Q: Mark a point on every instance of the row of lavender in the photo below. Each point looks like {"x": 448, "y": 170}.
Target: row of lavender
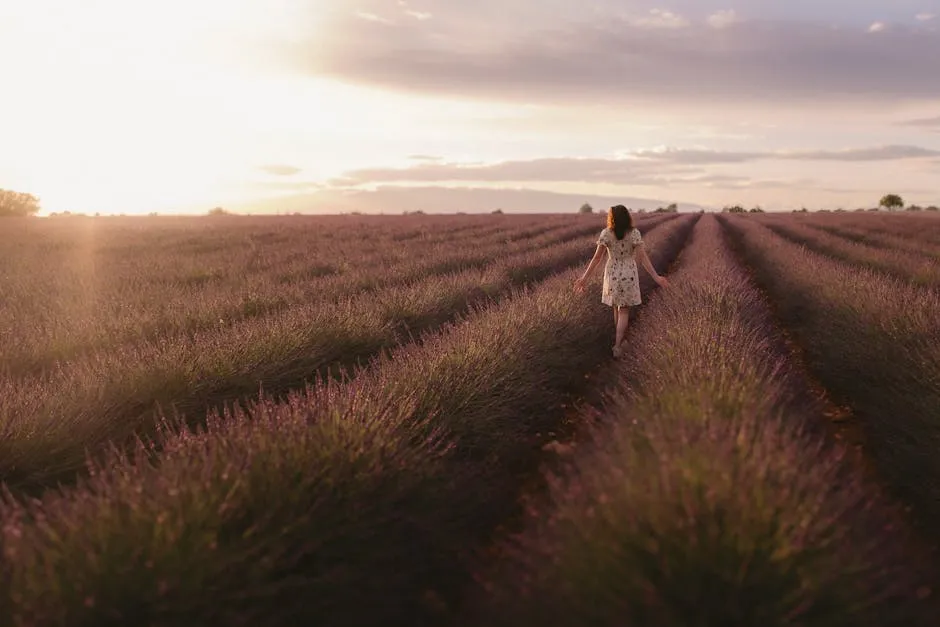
{"x": 49, "y": 422}
{"x": 105, "y": 287}
{"x": 918, "y": 228}
{"x": 352, "y": 503}
{"x": 884, "y": 238}
{"x": 901, "y": 257}
{"x": 874, "y": 342}
{"x": 706, "y": 495}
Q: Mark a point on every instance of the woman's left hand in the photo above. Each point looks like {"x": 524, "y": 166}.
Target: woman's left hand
{"x": 579, "y": 285}
{"x": 662, "y": 281}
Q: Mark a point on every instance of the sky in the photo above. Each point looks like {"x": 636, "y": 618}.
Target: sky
{"x": 178, "y": 106}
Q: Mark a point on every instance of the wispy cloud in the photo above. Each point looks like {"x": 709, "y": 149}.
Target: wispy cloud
{"x": 618, "y": 171}
{"x": 723, "y": 19}
{"x": 660, "y": 18}
{"x": 419, "y": 15}
{"x": 645, "y": 167}
{"x": 701, "y": 157}
{"x": 876, "y": 27}
{"x": 925, "y": 17}
{"x": 616, "y": 58}
{"x": 929, "y": 123}
{"x": 372, "y": 17}
{"x": 280, "y": 169}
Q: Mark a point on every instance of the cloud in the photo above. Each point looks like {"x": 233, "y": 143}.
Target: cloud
{"x": 280, "y": 169}
{"x": 925, "y": 17}
{"x": 876, "y": 27}
{"x": 723, "y": 19}
{"x": 880, "y": 153}
{"x": 646, "y": 167}
{"x": 604, "y": 57}
{"x": 557, "y": 169}
{"x": 923, "y": 122}
{"x": 372, "y": 17}
{"x": 286, "y": 186}
{"x": 931, "y": 125}
{"x": 709, "y": 157}
{"x": 419, "y": 15}
{"x": 660, "y": 18}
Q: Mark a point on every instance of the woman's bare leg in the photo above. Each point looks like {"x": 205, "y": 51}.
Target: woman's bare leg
{"x": 616, "y": 322}
{"x": 623, "y": 320}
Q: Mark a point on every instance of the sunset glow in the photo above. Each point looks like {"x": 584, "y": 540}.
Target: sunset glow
{"x": 178, "y": 106}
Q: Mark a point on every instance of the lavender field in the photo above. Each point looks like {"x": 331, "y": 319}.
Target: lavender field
{"x": 415, "y": 420}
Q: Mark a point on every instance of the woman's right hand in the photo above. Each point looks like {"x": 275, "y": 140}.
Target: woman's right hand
{"x": 579, "y": 285}
{"x": 662, "y": 281}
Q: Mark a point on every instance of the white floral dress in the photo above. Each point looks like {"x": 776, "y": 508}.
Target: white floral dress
{"x": 621, "y": 278}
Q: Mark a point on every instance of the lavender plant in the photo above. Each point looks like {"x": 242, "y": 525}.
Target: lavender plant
{"x": 704, "y": 496}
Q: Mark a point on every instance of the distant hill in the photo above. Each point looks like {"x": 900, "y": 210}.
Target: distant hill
{"x": 392, "y": 199}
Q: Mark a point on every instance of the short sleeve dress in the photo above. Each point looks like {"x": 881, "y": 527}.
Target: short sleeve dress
{"x": 621, "y": 278}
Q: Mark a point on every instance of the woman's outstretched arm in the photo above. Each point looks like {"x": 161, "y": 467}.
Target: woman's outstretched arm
{"x": 595, "y": 261}
{"x": 648, "y": 266}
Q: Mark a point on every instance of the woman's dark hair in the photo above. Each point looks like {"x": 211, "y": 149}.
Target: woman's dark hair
{"x": 619, "y": 221}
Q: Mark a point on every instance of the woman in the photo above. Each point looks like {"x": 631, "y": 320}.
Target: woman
{"x": 621, "y": 279}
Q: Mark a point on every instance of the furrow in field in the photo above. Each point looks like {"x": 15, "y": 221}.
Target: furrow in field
{"x": 703, "y": 494}
{"x": 925, "y": 228}
{"x": 880, "y": 239}
{"x": 917, "y": 269}
{"x": 144, "y": 313}
{"x": 353, "y": 503}
{"x": 874, "y": 342}
{"x": 49, "y": 422}
{"x": 920, "y": 228}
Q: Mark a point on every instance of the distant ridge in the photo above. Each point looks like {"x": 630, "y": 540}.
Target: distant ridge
{"x": 433, "y": 199}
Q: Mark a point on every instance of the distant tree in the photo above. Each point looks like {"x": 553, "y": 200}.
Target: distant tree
{"x": 218, "y": 211}
{"x": 733, "y": 209}
{"x": 497, "y": 212}
{"x": 933, "y": 208}
{"x": 756, "y": 209}
{"x": 17, "y": 204}
{"x": 672, "y": 208}
{"x": 891, "y": 202}
{"x": 586, "y": 208}
{"x": 915, "y": 208}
